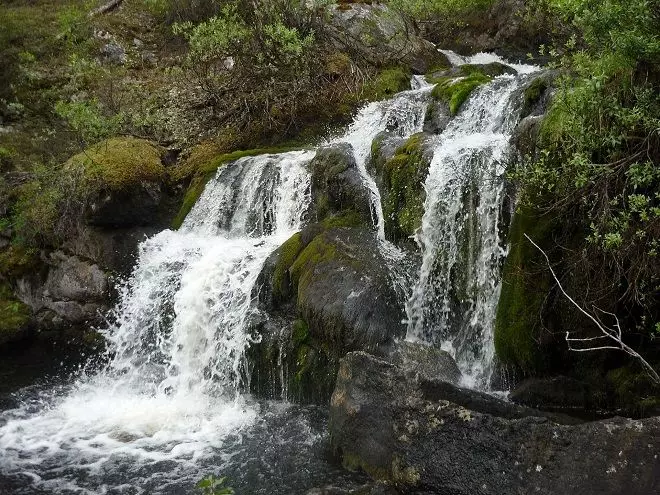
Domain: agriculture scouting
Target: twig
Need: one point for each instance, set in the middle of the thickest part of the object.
(105, 8)
(614, 334)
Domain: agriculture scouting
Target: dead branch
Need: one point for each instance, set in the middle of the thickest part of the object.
(106, 7)
(613, 335)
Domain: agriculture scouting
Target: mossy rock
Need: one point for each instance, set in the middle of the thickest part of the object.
(14, 316)
(402, 182)
(455, 91)
(118, 163)
(287, 255)
(526, 283)
(16, 261)
(387, 83)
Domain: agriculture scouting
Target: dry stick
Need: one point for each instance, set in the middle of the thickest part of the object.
(611, 333)
(105, 7)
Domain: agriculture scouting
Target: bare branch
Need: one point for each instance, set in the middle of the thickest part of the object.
(608, 333)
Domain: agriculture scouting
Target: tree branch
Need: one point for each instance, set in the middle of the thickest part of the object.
(614, 334)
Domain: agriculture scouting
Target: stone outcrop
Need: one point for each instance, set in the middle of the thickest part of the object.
(382, 37)
(428, 436)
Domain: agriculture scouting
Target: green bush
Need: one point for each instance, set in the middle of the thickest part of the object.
(600, 152)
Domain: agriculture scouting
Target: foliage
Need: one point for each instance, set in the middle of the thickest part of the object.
(14, 315)
(88, 119)
(600, 149)
(214, 486)
(425, 9)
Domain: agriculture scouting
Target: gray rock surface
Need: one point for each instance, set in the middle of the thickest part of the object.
(426, 436)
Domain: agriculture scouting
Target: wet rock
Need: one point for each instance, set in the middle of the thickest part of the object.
(70, 291)
(382, 37)
(322, 294)
(420, 360)
(425, 436)
(437, 117)
(556, 393)
(525, 136)
(74, 279)
(337, 185)
(134, 205)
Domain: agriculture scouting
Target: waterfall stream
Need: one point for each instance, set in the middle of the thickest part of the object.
(170, 405)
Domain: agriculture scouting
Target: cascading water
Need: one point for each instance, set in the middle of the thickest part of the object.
(454, 300)
(167, 402)
(402, 115)
(168, 408)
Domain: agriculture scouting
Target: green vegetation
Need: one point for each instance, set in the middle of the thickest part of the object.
(403, 178)
(455, 91)
(288, 253)
(387, 83)
(597, 171)
(14, 315)
(214, 486)
(525, 286)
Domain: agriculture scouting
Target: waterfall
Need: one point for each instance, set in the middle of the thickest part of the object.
(178, 341)
(403, 115)
(454, 299)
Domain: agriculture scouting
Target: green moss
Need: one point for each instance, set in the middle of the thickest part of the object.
(317, 251)
(403, 178)
(455, 91)
(14, 315)
(119, 162)
(387, 83)
(534, 91)
(347, 218)
(288, 253)
(525, 285)
(299, 332)
(16, 261)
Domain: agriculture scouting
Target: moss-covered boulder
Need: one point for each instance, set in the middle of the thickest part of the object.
(401, 180)
(327, 290)
(526, 283)
(122, 180)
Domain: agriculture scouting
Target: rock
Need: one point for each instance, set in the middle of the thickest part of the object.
(382, 37)
(525, 135)
(71, 291)
(400, 179)
(431, 363)
(134, 205)
(425, 436)
(74, 279)
(322, 294)
(337, 185)
(114, 53)
(437, 117)
(557, 393)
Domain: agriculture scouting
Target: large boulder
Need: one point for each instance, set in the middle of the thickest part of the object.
(382, 37)
(68, 291)
(123, 180)
(325, 292)
(428, 436)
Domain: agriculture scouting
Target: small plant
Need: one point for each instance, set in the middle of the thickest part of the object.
(214, 486)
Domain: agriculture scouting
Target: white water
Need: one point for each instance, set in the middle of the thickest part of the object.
(454, 300)
(487, 58)
(402, 115)
(170, 391)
